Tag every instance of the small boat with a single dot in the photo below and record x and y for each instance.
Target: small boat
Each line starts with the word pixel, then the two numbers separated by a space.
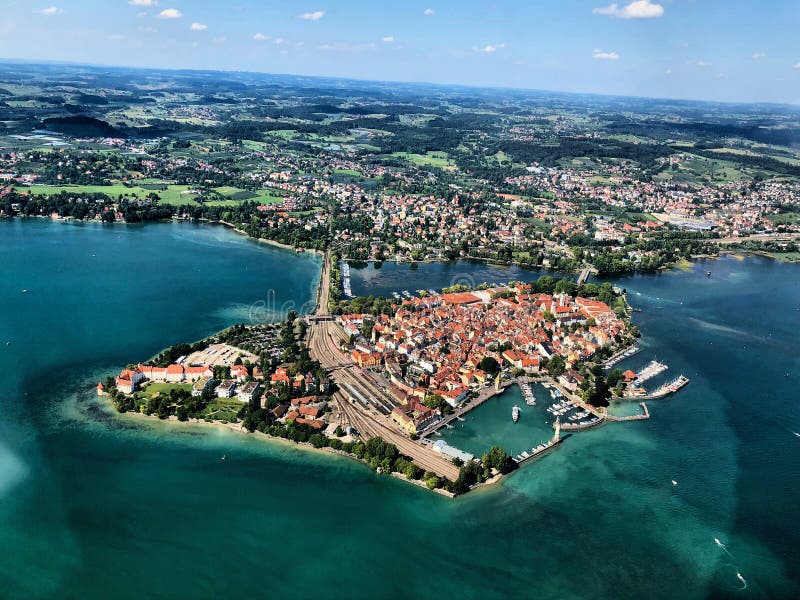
pixel 515 413
pixel 24 291
pixel 708 273
pixel 674 482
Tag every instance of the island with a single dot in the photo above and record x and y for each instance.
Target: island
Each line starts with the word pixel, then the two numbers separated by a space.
pixel 377 378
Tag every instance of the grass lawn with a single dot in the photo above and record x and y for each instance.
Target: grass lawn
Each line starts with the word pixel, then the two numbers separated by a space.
pixel 162 388
pixel 223 409
pixel 347 172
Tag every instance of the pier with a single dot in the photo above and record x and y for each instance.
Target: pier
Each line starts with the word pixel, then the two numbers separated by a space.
pixel 583 425
pixel 620 356
pixel 345 269
pixel 668 388
pixel 649 371
pixel 640 417
pixel 541 448
pixel 661 391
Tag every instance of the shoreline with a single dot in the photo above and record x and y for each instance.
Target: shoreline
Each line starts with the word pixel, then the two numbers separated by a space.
pixel 238 428
pixel 266 240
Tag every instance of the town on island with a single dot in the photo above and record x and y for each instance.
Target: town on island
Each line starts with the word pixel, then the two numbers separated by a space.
pixel 378 379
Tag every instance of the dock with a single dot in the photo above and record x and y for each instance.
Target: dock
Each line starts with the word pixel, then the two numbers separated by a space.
pixel 620 356
pixel 640 417
pixel 541 448
pixel 668 388
pixel 661 391
pixel 649 371
pixel 583 425
pixel 345 269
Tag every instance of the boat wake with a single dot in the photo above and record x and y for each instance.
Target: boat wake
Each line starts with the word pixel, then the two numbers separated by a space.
pixel 743 580
pixel 723 547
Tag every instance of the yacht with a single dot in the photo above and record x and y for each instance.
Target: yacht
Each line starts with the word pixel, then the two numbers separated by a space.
pixel 515 413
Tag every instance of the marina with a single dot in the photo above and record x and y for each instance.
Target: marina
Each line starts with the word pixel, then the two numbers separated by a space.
pixel 620 356
pixel 346 286
pixel 668 388
pixel 527 393
pixel 650 370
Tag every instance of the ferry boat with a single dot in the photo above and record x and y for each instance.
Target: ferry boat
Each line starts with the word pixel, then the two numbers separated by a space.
pixel 515 413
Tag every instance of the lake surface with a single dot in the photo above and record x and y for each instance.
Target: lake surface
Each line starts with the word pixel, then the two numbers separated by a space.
pixel 383 278
pixel 97 506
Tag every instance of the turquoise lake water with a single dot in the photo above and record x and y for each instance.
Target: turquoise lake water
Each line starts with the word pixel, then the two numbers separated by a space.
pixel 97 506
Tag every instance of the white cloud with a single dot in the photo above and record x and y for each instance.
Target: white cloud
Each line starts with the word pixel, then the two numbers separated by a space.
pixel 170 13
pixel 147 3
pixel 313 16
pixel 668 72
pixel 279 41
pixel 145 29
pixel 388 39
pixel 198 27
pixel 600 55
pixel 758 56
pixel 345 47
pixel 116 37
pixel 700 63
pixel 260 37
pixel 49 12
pixel 491 48
pixel 428 12
pixel 639 9
pixel 797 66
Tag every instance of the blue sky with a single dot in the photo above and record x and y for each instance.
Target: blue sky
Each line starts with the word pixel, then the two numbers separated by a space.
pixel 729 50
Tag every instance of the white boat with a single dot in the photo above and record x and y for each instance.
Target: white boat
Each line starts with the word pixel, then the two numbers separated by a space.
pixel 515 413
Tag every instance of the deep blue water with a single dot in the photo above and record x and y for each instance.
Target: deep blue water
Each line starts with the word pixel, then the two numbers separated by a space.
pixel 98 506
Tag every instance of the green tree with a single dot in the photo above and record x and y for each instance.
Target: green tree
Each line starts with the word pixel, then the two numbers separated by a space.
pixel 556 366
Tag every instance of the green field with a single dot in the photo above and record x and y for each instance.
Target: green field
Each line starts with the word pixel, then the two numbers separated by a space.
pixel 170 194
pixel 429 159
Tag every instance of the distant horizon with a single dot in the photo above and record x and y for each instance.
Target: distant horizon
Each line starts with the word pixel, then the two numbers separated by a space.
pixel 68 63
pixel 714 51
